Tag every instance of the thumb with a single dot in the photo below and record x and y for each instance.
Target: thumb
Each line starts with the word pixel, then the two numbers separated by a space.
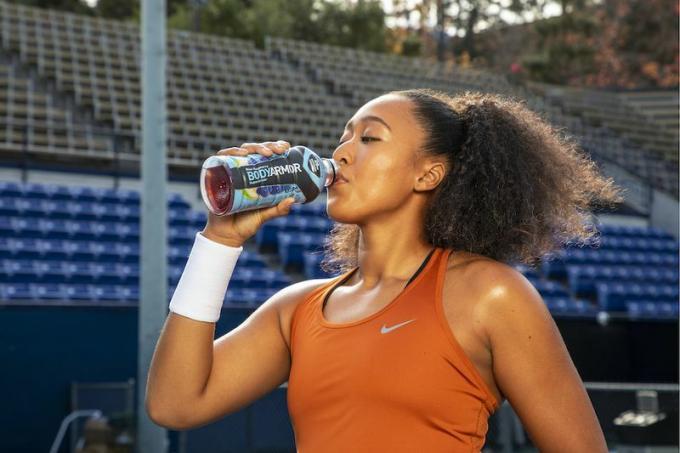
pixel 282 208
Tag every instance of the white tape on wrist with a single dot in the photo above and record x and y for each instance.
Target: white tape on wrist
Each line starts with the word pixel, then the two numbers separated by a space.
pixel 200 292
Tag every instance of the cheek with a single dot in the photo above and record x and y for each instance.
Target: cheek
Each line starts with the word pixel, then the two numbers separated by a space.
pixel 379 183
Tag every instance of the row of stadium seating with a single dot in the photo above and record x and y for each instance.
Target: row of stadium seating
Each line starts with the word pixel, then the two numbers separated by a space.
pixel 354 73
pixel 96 63
pixel 78 193
pixel 50 257
pixel 97 272
pixel 48 293
pixel 656 133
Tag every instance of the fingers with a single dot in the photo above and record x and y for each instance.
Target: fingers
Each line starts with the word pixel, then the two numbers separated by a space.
pixel 265 148
pixel 282 208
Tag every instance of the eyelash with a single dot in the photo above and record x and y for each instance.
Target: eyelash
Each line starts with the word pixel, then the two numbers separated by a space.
pixel 362 138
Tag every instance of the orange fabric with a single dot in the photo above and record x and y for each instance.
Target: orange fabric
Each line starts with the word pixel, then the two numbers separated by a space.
pixel 354 389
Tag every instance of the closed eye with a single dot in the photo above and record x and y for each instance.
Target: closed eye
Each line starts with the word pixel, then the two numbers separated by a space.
pixel 362 139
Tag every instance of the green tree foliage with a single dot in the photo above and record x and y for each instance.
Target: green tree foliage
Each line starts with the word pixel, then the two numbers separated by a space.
pixel 74 6
pixel 117 9
pixel 608 44
pixel 359 25
pixel 565 47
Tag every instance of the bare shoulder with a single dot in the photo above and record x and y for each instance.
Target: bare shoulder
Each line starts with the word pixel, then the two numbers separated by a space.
pixel 482 274
pixel 287 299
pixel 471 282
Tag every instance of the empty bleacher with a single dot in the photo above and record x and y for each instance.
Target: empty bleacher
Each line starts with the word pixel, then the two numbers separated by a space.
pixel 362 75
pixel 71 244
pixel 80 244
pixel 225 91
pixel 647 124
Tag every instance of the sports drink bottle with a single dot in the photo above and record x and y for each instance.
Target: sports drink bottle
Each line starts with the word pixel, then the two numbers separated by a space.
pixel 231 184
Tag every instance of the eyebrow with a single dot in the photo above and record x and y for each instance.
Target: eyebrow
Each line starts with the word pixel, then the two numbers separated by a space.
pixel 369 118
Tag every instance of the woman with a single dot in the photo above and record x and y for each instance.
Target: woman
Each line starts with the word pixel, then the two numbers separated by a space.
pixel 428 327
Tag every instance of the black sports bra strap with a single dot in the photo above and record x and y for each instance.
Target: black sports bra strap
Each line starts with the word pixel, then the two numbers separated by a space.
pixel 422 265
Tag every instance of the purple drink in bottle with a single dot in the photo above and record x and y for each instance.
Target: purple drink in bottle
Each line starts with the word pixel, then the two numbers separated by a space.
pixel 231 184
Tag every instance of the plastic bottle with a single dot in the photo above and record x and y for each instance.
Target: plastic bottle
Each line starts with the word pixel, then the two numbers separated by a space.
pixel 231 184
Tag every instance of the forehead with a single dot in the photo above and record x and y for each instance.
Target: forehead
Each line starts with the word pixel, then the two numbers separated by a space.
pixel 394 109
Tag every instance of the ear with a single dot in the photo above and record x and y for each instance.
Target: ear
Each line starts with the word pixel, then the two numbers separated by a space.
pixel 430 174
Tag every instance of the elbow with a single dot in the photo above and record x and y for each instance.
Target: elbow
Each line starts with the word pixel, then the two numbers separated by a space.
pixel 164 417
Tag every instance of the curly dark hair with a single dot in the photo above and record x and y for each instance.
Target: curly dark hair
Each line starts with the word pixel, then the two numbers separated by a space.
pixel 517 187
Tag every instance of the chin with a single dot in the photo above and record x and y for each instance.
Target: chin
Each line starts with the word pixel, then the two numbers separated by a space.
pixel 339 213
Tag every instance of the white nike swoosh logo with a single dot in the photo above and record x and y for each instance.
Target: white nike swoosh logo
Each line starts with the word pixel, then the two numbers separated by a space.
pixel 386 329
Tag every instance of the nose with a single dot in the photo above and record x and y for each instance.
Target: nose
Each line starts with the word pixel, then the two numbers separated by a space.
pixel 341 154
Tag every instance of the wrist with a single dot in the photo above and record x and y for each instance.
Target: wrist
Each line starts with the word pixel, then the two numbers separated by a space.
pixel 229 242
pixel 200 292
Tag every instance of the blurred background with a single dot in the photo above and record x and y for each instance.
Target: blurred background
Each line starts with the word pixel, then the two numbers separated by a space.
pixel 238 71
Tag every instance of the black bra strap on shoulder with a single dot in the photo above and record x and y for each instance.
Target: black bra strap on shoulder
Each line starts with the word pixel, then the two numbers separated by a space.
pixel 424 263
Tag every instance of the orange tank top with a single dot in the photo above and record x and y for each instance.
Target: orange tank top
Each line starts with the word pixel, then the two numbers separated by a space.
pixel 394 381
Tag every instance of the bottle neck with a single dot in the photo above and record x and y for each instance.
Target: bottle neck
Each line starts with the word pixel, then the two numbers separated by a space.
pixel 332 171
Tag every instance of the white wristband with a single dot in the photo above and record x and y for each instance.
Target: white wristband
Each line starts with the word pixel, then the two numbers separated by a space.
pixel 201 288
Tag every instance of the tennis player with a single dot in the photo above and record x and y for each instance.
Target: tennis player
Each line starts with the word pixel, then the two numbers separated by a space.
pixel 428 327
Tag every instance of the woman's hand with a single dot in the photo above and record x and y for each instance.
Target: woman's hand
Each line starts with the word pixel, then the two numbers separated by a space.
pixel 235 229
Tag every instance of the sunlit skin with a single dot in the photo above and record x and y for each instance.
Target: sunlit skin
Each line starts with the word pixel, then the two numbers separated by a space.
pixel 496 314
pixel 388 187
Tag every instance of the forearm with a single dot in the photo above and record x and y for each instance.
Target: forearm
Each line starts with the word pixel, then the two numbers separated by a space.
pixel 182 361
pixel 180 366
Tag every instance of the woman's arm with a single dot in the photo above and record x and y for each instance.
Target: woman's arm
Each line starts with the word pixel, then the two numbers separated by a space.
pixel 533 368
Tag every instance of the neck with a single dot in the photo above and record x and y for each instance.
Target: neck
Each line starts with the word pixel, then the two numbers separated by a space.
pixel 389 252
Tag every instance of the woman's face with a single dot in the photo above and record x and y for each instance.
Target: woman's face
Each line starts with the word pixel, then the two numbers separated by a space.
pixel 376 154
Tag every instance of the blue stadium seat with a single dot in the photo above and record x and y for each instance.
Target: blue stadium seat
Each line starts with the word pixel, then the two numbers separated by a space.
pixel 104 293
pixel 105 272
pixel 127 196
pixel 267 278
pixel 180 217
pixel 240 296
pixel 6 227
pixel 129 273
pixel 177 254
pixel 312 267
pixel 175 200
pixel 26 228
pixel 319 225
pixel 266 235
pixel 292 245
pixel 55 228
pixel 82 193
pixel 653 310
pixel 52 271
pixel 49 291
pixel 613 296
pixel 179 235
pixel 79 272
pixel 58 193
pixel 10 189
pixel 80 292
pixel 198 219
pixel 251 260
pixel 26 248
pixel 19 270
pixel 17 291
pixel 565 306
pixel 126 232
pixel 74 250
pixel 582 279
pixel 35 191
pixel 11 207
pixel 127 293
pixel 549 288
